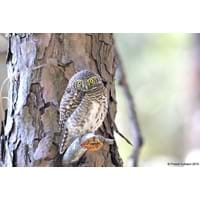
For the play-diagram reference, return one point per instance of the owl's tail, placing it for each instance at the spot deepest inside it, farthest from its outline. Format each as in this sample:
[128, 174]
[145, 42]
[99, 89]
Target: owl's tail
[66, 139]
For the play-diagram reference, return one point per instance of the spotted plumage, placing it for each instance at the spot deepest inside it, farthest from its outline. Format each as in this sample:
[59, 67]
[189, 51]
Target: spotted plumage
[83, 107]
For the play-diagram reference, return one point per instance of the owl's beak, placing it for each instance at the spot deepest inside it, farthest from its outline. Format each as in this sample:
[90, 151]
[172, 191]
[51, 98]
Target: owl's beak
[85, 86]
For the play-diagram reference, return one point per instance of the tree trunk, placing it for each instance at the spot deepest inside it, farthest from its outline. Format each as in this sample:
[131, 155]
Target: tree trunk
[39, 67]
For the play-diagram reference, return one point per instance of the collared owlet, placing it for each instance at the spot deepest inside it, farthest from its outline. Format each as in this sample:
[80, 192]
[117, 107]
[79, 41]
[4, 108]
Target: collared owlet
[83, 107]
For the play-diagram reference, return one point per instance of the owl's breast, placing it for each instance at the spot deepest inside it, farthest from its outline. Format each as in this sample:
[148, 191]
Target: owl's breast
[88, 117]
[96, 117]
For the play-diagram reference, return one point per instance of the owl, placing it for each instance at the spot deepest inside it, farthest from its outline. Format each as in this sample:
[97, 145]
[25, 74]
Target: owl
[83, 107]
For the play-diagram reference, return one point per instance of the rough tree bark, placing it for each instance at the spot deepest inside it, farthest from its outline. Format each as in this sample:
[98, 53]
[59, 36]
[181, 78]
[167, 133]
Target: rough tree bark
[39, 67]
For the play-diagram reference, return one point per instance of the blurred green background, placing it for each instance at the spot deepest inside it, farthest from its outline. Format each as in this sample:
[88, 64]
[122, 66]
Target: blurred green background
[154, 65]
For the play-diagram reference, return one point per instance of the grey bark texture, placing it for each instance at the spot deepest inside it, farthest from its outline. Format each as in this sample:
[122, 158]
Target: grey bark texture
[39, 67]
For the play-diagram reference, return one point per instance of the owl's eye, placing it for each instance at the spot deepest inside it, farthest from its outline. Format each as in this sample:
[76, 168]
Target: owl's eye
[91, 81]
[78, 83]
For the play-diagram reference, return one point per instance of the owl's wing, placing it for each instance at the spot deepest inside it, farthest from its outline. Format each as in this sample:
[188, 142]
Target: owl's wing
[69, 102]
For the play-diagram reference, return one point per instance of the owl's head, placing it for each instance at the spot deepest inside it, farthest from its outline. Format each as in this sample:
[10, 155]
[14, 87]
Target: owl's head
[85, 81]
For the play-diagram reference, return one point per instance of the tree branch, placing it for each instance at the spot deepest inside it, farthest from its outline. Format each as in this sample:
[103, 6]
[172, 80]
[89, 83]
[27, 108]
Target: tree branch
[80, 145]
[135, 129]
